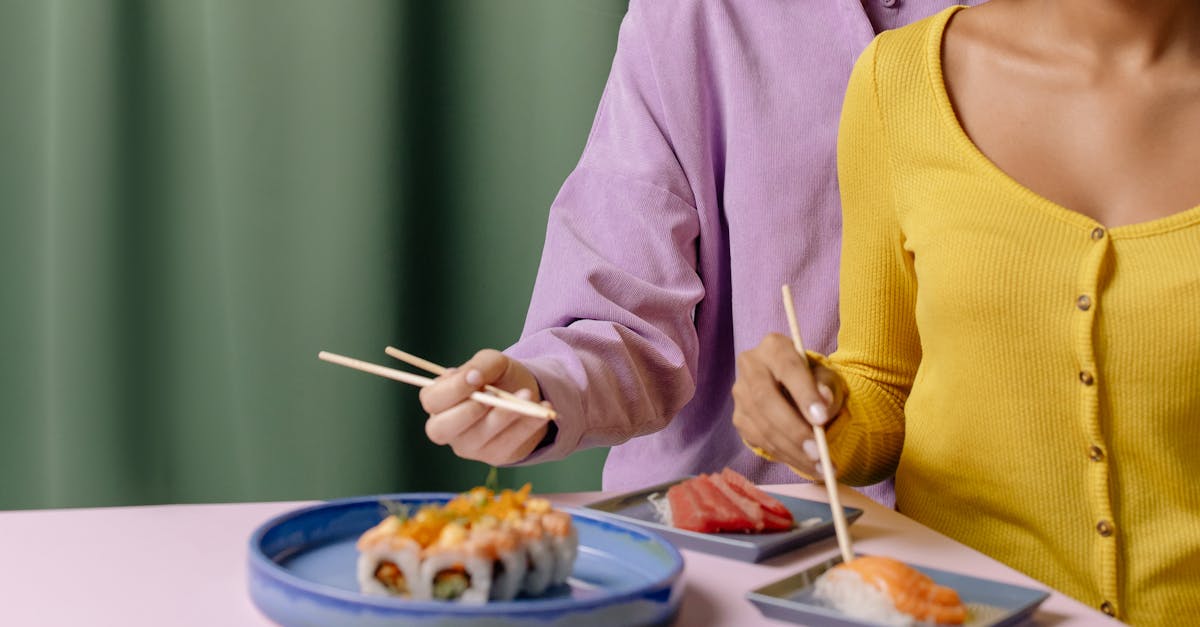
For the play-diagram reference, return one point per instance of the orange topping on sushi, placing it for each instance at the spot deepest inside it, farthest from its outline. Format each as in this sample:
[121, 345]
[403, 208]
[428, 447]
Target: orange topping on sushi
[911, 591]
[507, 504]
[557, 523]
[423, 528]
[445, 525]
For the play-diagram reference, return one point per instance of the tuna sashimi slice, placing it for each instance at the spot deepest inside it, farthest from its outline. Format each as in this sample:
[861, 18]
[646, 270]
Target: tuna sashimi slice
[725, 502]
[727, 515]
[775, 522]
[686, 511]
[748, 489]
[749, 506]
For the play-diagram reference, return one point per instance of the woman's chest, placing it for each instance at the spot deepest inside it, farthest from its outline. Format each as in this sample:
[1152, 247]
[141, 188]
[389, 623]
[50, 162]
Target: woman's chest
[1118, 152]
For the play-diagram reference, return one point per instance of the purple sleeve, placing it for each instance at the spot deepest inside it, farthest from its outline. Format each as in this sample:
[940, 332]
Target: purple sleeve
[610, 334]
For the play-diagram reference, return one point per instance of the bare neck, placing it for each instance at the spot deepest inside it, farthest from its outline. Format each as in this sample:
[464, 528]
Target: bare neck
[1129, 33]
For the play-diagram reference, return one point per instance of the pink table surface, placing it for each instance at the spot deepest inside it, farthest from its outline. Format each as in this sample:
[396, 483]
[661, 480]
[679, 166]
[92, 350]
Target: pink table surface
[185, 565]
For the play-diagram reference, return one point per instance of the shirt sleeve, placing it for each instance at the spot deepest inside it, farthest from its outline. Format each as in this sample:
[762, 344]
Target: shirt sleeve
[610, 334]
[879, 348]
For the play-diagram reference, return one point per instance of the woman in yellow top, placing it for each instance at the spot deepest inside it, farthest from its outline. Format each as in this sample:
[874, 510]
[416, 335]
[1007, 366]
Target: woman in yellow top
[1020, 311]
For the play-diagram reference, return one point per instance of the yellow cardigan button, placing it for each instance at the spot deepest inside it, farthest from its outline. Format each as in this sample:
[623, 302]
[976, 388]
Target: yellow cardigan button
[1104, 528]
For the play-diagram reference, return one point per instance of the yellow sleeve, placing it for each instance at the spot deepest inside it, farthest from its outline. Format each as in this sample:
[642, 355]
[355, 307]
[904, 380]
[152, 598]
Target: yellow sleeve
[879, 348]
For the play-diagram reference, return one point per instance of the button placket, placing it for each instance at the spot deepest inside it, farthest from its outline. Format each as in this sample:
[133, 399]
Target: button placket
[1085, 306]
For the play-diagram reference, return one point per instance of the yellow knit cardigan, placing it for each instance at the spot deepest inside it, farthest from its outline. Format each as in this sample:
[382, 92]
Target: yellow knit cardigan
[1031, 377]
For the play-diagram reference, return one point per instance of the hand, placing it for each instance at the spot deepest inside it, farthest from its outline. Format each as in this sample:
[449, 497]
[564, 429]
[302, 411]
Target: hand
[477, 431]
[777, 395]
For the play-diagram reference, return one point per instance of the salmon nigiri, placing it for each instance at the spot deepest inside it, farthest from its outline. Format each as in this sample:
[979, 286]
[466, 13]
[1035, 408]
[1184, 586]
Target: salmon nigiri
[890, 591]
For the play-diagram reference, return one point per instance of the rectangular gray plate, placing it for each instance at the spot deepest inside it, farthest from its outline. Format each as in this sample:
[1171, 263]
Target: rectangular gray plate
[990, 603]
[636, 508]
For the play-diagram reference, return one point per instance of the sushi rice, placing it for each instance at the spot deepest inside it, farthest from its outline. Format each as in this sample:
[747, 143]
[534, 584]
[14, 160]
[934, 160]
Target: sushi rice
[381, 554]
[539, 558]
[846, 591]
[564, 545]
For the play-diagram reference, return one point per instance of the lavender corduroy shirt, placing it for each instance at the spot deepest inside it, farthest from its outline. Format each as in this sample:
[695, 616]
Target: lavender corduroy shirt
[708, 180]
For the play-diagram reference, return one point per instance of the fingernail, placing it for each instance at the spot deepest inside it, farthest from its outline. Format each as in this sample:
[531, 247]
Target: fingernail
[810, 448]
[825, 392]
[524, 394]
[474, 377]
[817, 414]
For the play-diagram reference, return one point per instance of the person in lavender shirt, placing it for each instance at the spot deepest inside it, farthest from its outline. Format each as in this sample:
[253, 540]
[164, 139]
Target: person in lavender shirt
[708, 180]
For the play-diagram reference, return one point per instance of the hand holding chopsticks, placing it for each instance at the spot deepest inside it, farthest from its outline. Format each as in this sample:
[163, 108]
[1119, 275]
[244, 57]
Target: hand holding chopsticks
[492, 397]
[831, 485]
[429, 366]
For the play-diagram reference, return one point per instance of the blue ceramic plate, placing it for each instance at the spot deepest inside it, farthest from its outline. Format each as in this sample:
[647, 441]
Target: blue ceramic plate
[635, 507]
[989, 603]
[302, 572]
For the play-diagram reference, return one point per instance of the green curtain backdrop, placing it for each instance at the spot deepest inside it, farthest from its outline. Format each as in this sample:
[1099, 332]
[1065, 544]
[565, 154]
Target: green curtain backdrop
[198, 195]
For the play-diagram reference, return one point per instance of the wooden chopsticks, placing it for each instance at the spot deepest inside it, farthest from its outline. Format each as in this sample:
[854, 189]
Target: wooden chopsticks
[496, 398]
[831, 486]
[429, 366]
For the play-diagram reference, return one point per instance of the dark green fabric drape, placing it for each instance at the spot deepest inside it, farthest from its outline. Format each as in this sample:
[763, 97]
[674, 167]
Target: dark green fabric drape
[198, 195]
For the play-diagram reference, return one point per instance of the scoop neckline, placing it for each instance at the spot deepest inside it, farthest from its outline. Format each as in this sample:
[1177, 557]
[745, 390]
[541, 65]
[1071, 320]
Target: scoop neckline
[937, 35]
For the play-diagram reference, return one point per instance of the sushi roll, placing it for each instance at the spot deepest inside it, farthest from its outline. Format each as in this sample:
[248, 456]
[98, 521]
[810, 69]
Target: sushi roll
[889, 592]
[389, 563]
[504, 547]
[455, 568]
[539, 555]
[477, 547]
[564, 543]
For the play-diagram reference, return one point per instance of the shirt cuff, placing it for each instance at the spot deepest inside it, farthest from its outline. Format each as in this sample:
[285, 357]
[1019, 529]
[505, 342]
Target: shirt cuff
[564, 433]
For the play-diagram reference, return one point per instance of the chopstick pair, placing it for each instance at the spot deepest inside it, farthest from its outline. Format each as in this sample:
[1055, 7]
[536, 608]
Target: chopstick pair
[492, 396]
[835, 503]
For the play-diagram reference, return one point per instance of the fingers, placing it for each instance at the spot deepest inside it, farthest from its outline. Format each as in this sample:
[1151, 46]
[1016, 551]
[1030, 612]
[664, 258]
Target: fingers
[477, 431]
[764, 413]
[457, 385]
[832, 389]
[494, 436]
[510, 443]
[446, 427]
[794, 374]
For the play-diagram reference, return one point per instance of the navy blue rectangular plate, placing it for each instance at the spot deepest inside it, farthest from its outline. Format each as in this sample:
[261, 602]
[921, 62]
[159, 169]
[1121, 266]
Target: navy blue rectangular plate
[635, 507]
[989, 603]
